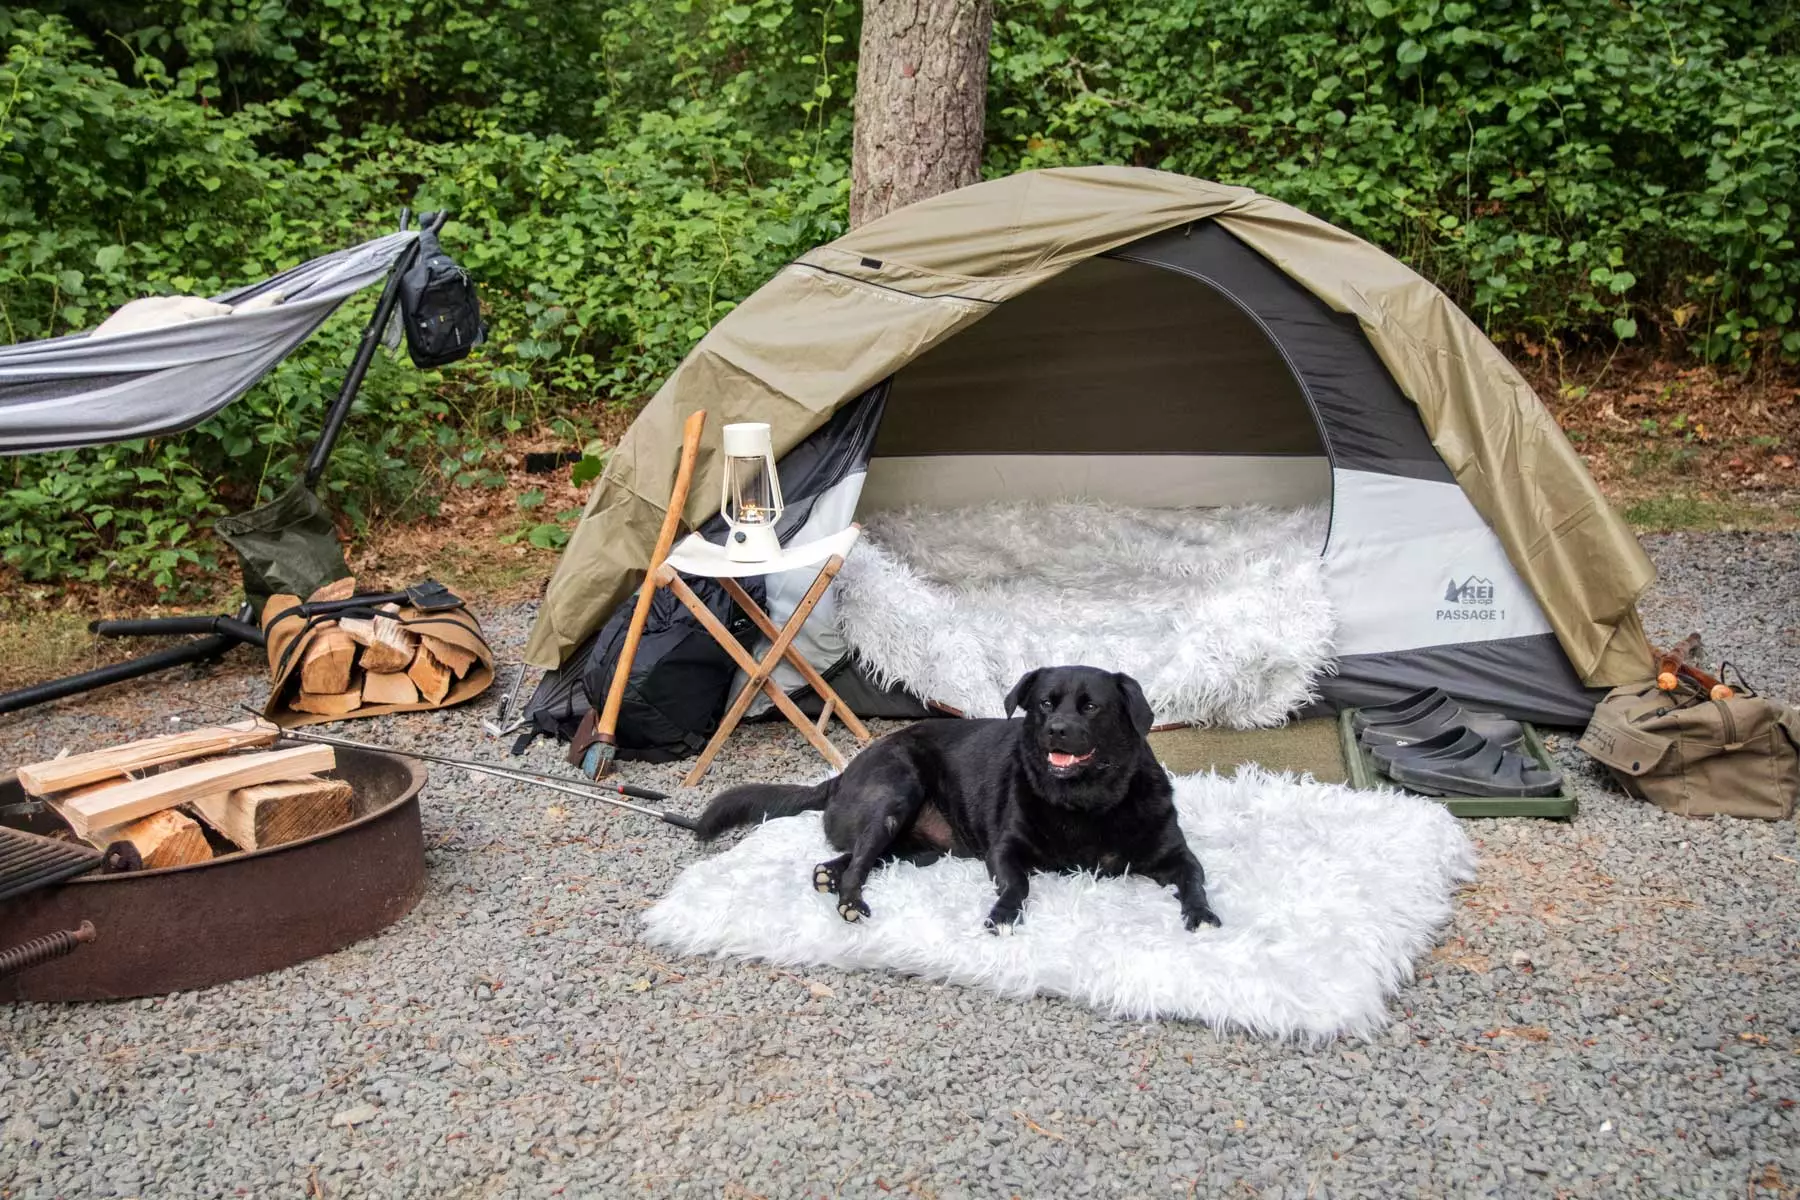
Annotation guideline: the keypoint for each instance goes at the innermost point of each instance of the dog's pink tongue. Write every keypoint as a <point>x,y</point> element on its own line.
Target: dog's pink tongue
<point>1058,759</point>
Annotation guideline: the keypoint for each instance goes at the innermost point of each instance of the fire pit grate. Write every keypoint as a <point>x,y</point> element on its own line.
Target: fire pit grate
<point>28,861</point>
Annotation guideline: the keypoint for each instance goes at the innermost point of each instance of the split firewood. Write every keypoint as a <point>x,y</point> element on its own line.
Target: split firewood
<point>431,675</point>
<point>393,647</point>
<point>451,655</point>
<point>384,688</point>
<point>388,646</point>
<point>269,814</point>
<point>62,774</point>
<point>325,665</point>
<point>337,589</point>
<point>164,839</point>
<point>328,704</point>
<point>119,803</point>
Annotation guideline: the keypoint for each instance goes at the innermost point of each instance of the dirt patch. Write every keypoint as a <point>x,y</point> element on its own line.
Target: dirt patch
<point>1677,445</point>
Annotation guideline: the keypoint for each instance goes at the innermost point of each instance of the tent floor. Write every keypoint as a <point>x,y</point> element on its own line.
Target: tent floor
<point>1309,746</point>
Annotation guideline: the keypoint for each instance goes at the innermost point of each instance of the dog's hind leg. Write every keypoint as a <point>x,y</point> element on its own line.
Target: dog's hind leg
<point>826,874</point>
<point>883,817</point>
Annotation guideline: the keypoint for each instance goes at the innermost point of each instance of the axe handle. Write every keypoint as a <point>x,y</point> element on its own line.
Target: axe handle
<point>1712,687</point>
<point>1671,661</point>
<point>684,474</point>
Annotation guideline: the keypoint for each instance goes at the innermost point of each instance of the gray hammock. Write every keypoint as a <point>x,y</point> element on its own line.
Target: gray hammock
<point>88,390</point>
<point>92,388</point>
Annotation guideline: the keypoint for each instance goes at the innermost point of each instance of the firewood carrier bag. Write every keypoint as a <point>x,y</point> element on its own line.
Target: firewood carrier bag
<point>1697,756</point>
<point>289,638</point>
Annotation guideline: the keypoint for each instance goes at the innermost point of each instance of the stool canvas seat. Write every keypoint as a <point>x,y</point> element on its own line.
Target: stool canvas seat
<point>694,555</point>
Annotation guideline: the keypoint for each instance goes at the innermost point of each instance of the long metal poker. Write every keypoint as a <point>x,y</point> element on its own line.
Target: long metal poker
<point>518,775</point>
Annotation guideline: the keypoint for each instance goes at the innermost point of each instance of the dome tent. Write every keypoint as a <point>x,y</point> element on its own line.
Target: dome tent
<point>1138,336</point>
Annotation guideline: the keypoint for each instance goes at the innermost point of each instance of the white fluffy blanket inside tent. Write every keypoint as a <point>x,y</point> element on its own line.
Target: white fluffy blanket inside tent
<point>1327,896</point>
<point>1220,614</point>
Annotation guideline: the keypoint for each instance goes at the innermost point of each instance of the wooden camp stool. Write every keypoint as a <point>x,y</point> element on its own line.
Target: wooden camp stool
<point>697,556</point>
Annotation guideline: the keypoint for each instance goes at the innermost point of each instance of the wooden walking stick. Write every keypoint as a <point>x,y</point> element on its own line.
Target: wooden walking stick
<point>1673,669</point>
<point>597,757</point>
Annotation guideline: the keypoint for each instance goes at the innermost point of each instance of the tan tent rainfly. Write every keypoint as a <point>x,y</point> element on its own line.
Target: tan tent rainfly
<point>1138,335</point>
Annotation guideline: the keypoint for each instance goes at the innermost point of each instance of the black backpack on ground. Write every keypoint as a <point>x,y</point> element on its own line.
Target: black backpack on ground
<point>439,308</point>
<point>680,678</point>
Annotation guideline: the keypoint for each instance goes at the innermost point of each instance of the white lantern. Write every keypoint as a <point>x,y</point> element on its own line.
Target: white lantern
<point>752,493</point>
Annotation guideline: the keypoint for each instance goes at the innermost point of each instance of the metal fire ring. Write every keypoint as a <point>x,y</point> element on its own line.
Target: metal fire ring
<point>237,915</point>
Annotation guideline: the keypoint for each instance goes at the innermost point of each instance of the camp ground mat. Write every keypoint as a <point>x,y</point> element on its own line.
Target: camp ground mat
<point>1364,773</point>
<point>1308,747</point>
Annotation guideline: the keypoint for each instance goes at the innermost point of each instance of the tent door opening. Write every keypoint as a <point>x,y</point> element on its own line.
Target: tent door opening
<point>1117,381</point>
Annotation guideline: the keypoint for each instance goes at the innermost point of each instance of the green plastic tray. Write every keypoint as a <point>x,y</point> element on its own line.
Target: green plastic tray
<point>1365,774</point>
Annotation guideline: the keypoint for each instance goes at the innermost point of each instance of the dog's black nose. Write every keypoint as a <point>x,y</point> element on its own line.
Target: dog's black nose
<point>1056,727</point>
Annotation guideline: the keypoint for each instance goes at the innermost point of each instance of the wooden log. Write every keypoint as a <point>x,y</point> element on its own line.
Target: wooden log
<point>268,814</point>
<point>164,839</point>
<point>325,665</point>
<point>118,803</point>
<point>337,589</point>
<point>392,646</point>
<point>383,688</point>
<point>431,676</point>
<point>328,704</point>
<point>451,655</point>
<point>388,646</point>
<point>77,770</point>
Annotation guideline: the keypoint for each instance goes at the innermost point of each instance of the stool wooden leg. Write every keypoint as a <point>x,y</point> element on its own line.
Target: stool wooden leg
<point>758,672</point>
<point>808,672</point>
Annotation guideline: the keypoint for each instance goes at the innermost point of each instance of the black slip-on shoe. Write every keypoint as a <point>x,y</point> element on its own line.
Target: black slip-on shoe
<point>1440,717</point>
<point>1406,708</point>
<point>1490,771</point>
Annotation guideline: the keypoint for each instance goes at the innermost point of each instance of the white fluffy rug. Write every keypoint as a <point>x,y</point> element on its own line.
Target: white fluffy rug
<point>1327,895</point>
<point>1219,613</point>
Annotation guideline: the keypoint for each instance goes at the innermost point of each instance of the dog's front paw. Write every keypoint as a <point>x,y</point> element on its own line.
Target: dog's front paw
<point>1196,915</point>
<point>1003,921</point>
<point>853,910</point>
<point>825,878</point>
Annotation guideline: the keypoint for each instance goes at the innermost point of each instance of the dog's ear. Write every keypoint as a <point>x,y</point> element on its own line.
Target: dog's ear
<point>1021,691</point>
<point>1135,704</point>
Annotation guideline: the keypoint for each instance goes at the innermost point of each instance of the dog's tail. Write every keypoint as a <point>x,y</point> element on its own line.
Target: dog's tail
<point>756,801</point>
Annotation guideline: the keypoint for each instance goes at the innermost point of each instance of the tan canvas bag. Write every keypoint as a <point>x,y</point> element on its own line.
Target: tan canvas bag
<point>1699,757</point>
<point>457,627</point>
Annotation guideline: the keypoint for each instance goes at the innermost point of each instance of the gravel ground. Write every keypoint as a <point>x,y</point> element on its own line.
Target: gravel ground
<point>1616,1011</point>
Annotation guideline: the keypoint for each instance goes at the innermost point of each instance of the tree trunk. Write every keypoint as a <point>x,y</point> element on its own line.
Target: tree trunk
<point>921,101</point>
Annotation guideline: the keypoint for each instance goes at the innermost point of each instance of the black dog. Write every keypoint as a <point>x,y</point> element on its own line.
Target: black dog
<point>1073,786</point>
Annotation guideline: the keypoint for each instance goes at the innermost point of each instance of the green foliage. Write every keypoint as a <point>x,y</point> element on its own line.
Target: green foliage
<point>613,200</point>
<point>1563,168</point>
<point>624,171</point>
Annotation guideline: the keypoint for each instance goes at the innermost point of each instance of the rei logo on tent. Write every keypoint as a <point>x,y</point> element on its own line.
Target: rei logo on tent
<point>1474,600</point>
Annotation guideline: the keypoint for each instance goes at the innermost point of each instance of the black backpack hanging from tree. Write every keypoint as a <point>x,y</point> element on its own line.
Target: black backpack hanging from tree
<point>440,310</point>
